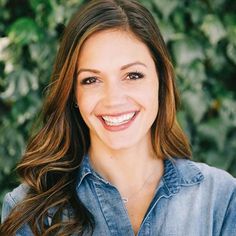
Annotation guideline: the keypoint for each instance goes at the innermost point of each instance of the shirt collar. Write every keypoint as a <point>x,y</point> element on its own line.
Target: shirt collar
<point>177,172</point>
<point>180,172</point>
<point>84,170</point>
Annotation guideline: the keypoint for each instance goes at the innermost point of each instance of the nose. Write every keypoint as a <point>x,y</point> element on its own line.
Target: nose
<point>114,94</point>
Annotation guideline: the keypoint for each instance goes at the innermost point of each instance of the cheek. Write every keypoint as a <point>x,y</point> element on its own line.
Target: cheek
<point>154,95</point>
<point>149,95</point>
<point>86,102</point>
<point>152,100</point>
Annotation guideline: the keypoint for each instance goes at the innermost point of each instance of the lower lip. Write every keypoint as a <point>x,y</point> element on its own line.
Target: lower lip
<point>120,127</point>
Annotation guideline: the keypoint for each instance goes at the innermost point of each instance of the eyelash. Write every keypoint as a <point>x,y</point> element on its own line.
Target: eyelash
<point>137,75</point>
<point>91,80</point>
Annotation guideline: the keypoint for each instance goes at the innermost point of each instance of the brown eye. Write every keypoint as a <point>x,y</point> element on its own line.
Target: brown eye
<point>135,75</point>
<point>89,80</point>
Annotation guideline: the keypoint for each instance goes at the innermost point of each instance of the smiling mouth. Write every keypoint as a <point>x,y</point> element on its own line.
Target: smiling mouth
<point>118,120</point>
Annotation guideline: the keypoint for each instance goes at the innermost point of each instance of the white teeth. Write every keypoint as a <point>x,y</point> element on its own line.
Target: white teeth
<point>118,120</point>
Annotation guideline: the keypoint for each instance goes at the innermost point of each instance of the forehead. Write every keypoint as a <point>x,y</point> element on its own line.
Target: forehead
<point>113,46</point>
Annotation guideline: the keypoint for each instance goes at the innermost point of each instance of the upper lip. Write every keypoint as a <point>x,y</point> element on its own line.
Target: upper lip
<point>117,114</point>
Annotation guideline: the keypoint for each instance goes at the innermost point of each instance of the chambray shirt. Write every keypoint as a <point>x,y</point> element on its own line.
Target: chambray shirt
<point>192,199</point>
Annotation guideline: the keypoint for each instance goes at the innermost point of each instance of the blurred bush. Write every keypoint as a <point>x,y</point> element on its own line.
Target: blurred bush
<point>199,34</point>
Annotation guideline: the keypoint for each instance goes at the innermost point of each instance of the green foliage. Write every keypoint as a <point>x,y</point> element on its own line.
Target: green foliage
<point>202,42</point>
<point>200,36</point>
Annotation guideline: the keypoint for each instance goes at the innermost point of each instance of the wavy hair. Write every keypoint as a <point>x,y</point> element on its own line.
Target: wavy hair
<point>53,156</point>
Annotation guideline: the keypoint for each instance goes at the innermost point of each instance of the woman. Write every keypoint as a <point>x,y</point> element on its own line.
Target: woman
<point>110,158</point>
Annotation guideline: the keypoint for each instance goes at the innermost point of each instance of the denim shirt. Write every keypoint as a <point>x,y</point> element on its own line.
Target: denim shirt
<point>192,199</point>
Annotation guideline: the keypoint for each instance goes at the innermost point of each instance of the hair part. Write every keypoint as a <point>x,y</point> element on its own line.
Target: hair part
<point>53,156</point>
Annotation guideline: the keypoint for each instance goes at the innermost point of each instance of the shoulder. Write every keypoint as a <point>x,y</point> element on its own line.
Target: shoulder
<point>214,192</point>
<point>17,194</point>
<point>188,169</point>
<point>214,184</point>
<point>217,177</point>
<point>12,198</point>
<point>220,186</point>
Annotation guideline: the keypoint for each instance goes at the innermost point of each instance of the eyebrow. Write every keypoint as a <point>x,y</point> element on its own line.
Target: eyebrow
<point>122,68</point>
<point>133,64</point>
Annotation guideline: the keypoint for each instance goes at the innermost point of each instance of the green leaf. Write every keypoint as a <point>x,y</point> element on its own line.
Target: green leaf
<point>231,52</point>
<point>216,4</point>
<point>196,11</point>
<point>39,5</point>
<point>3,2</point>
<point>230,25</point>
<point>20,82</point>
<point>213,28</point>
<point>196,104</point>
<point>179,20</point>
<point>214,130</point>
<point>216,59</point>
<point>166,7</point>
<point>24,31</point>
<point>192,76</point>
<point>183,121</point>
<point>186,50</point>
<point>167,30</point>
<point>41,53</point>
<point>4,43</point>
<point>217,159</point>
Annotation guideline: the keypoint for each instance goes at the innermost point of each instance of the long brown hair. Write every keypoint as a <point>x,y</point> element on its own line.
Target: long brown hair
<point>53,156</point>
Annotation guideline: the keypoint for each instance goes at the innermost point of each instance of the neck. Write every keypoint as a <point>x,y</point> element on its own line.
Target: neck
<point>130,166</point>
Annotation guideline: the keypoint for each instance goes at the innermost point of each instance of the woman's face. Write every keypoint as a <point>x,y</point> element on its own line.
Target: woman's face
<point>117,89</point>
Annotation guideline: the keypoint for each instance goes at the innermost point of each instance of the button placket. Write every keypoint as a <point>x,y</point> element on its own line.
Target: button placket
<point>113,210</point>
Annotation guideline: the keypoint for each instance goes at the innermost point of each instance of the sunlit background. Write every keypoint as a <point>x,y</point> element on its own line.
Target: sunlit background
<point>200,35</point>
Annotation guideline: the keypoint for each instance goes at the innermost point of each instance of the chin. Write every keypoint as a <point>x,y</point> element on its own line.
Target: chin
<point>119,145</point>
